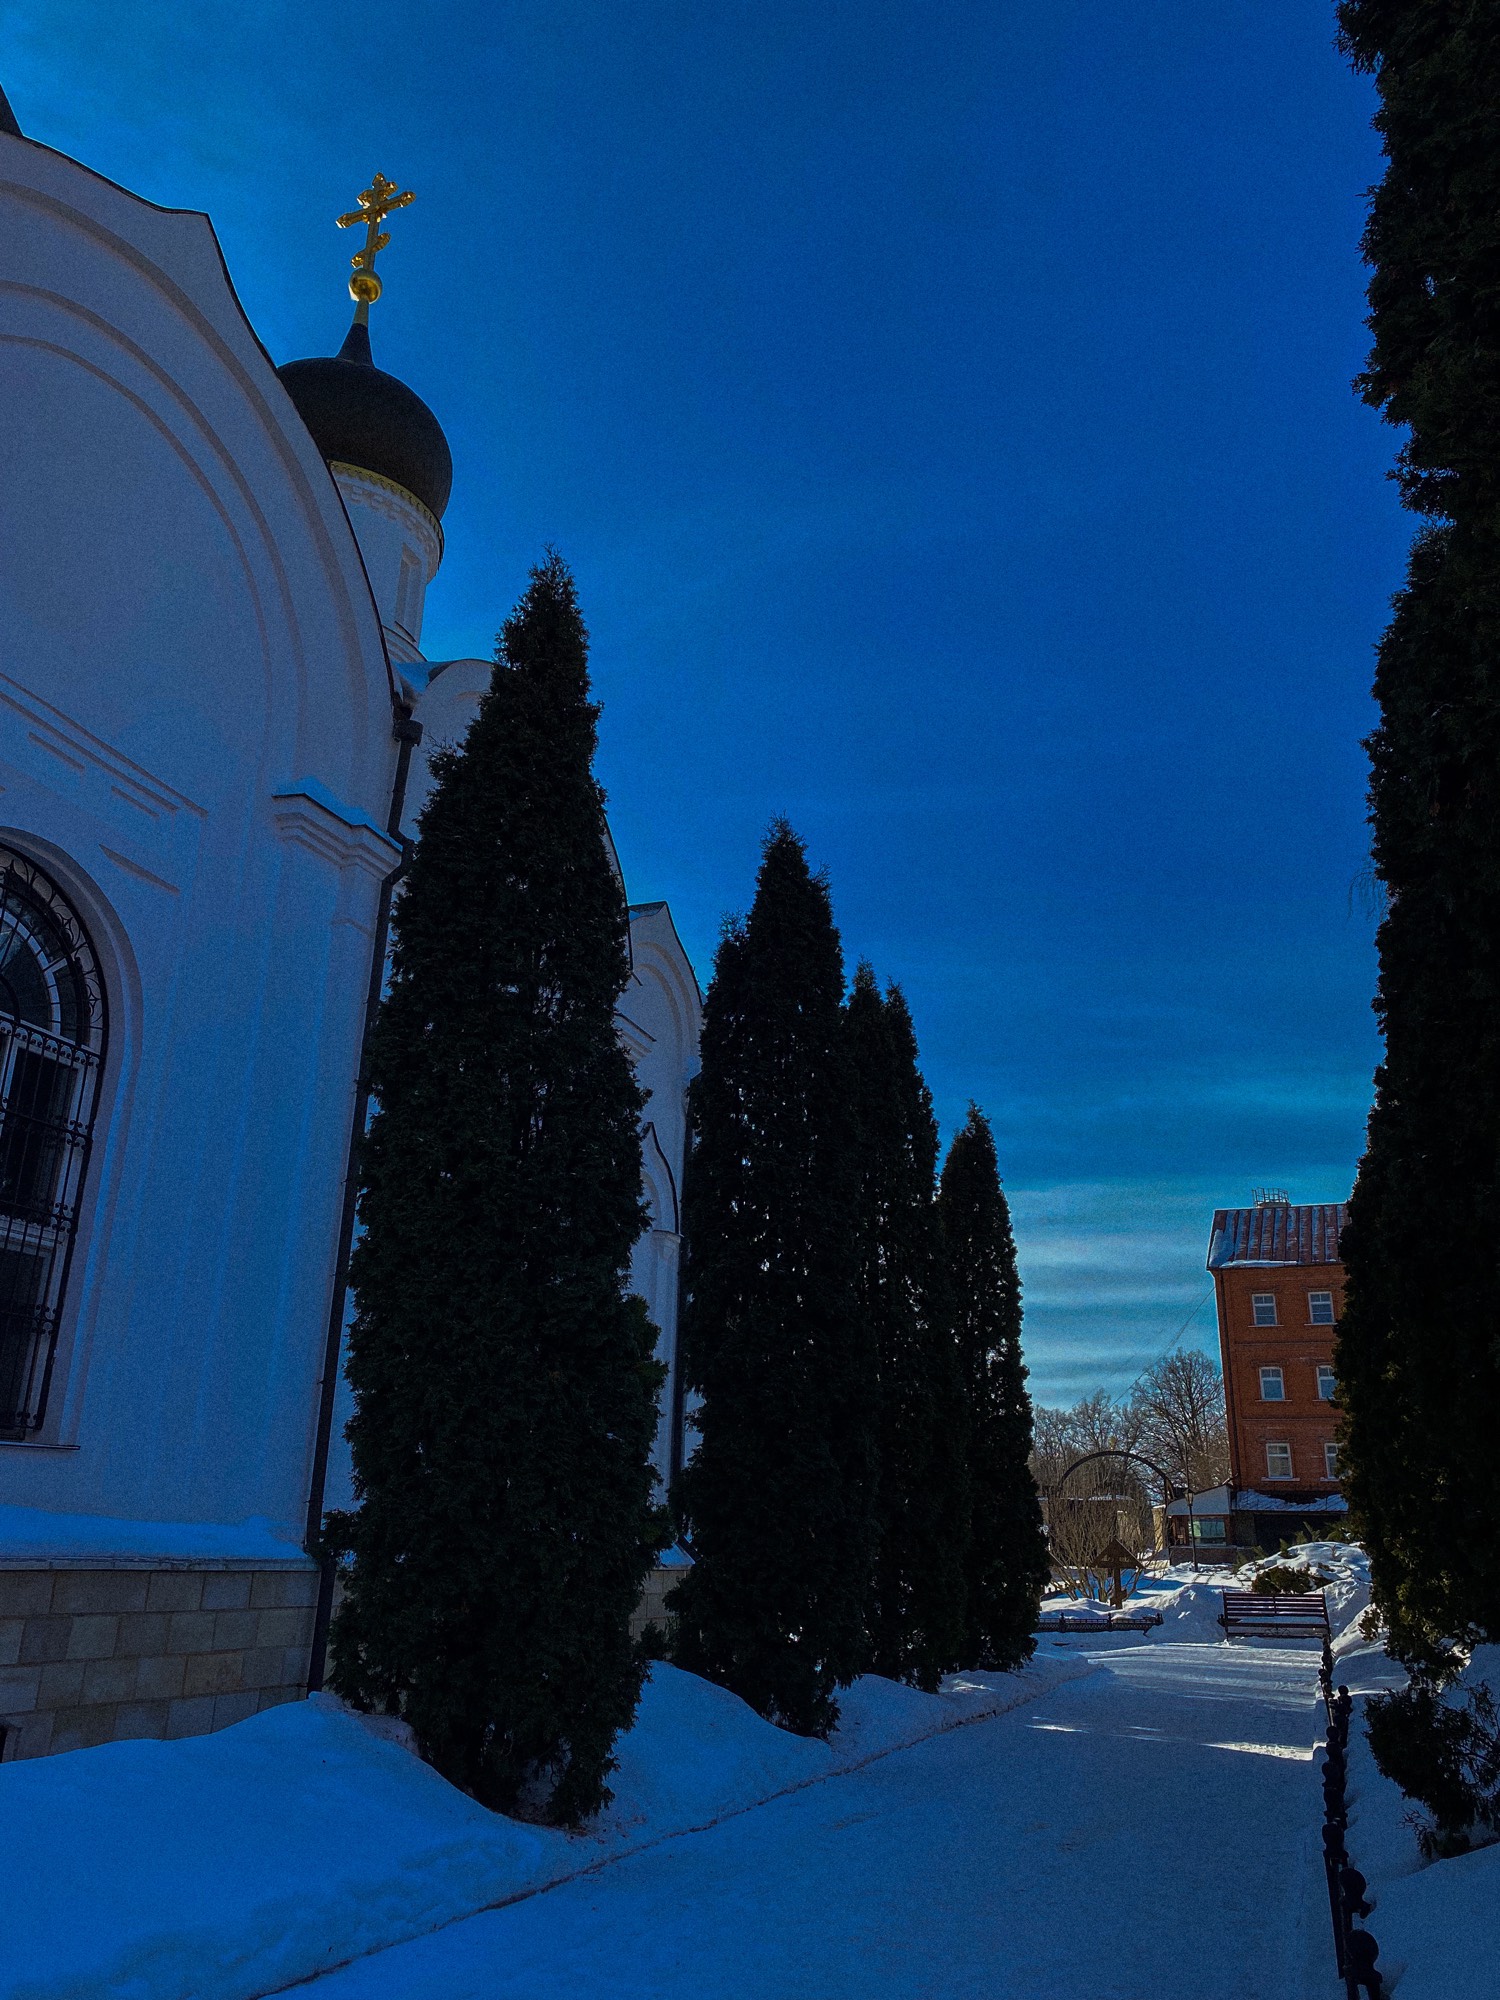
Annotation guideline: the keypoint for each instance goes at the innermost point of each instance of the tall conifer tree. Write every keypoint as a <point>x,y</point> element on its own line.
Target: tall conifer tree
<point>777,1500</point>
<point>1007,1560</point>
<point>504,1378</point>
<point>1418,1360</point>
<point>922,1514</point>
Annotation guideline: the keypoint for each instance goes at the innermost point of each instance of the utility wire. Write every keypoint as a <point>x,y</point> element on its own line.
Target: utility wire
<point>1192,1315</point>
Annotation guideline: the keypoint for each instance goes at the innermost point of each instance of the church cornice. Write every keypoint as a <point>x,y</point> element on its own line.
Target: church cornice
<point>386,497</point>
<point>308,815</point>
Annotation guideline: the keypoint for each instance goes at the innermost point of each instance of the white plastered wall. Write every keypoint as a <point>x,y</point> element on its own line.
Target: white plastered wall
<point>660,1015</point>
<point>195,737</point>
<point>402,546</point>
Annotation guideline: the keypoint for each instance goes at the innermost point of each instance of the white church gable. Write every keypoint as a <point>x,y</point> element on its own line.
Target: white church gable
<point>195,743</point>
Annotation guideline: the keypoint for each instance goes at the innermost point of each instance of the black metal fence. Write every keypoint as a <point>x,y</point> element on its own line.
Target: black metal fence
<point>1354,1947</point>
<point>1111,1621</point>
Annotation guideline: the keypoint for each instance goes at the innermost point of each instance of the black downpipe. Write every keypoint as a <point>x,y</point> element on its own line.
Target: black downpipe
<point>407,734</point>
<point>677,1442</point>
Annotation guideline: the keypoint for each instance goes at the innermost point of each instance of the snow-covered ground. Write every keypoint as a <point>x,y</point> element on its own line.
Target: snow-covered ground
<point>1434,1922</point>
<point>1146,1832</point>
<point>1190,1600</point>
<point>1132,1816</point>
<point>222,1867</point>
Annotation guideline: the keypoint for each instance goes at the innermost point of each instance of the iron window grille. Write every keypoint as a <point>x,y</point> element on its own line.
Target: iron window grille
<point>52,1043</point>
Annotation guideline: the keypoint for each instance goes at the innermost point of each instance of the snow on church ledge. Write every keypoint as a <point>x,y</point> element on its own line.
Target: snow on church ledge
<point>308,813</point>
<point>32,1538</point>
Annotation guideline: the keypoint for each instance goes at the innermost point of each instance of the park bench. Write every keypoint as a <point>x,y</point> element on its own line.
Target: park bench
<point>1114,1621</point>
<point>1247,1615</point>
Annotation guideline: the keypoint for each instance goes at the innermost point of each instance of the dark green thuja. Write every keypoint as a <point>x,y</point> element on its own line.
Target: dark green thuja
<point>1443,1749</point>
<point>504,1378</point>
<point>777,1499</point>
<point>1418,1361</point>
<point>916,1616</point>
<point>1007,1567</point>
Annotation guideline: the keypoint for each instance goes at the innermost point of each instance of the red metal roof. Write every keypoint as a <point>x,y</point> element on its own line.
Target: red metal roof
<point>1277,1232</point>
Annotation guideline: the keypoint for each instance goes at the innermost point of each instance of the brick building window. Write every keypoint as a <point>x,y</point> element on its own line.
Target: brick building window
<point>1278,1461</point>
<point>1263,1307</point>
<point>1331,1460</point>
<point>1326,1382</point>
<point>1320,1308</point>
<point>1272,1386</point>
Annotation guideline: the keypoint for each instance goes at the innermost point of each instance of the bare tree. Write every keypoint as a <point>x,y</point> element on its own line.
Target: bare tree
<point>1098,1423</point>
<point>1178,1411</point>
<point>1173,1415</point>
<point>1101,1502</point>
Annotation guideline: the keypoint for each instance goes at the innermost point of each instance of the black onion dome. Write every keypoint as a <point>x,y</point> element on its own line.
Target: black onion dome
<point>359,415</point>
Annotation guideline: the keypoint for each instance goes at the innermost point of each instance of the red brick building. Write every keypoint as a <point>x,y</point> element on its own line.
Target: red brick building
<point>1279,1287</point>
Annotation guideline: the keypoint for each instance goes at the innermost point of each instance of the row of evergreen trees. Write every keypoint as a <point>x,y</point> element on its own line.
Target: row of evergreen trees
<point>860,1496</point>
<point>1418,1354</point>
<point>1418,1357</point>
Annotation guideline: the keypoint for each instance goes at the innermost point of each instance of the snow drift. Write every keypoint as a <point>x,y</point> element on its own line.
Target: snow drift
<point>228,1866</point>
<point>1190,1601</point>
<point>1432,1920</point>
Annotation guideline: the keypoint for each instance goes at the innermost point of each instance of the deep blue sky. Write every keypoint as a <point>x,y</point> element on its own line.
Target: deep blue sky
<point>945,409</point>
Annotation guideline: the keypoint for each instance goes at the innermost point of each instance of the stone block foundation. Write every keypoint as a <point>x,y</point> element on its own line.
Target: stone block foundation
<point>652,1609</point>
<point>91,1656</point>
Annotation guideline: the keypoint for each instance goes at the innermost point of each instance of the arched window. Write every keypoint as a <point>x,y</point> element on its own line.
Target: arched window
<point>52,1023</point>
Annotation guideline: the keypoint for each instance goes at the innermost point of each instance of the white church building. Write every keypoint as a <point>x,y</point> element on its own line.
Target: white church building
<point>212,582</point>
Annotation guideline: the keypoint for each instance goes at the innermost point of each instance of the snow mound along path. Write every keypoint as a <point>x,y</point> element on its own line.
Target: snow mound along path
<point>698,1753</point>
<point>1193,1608</point>
<point>877,1716</point>
<point>1191,1601</point>
<point>1433,1920</point>
<point>224,1866</point>
<point>1193,1613</point>
<point>1346,1567</point>
<point>229,1866</point>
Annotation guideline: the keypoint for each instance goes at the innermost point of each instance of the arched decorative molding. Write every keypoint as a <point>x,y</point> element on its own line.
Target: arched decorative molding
<point>196,743</point>
<point>139,299</point>
<point>661,966</point>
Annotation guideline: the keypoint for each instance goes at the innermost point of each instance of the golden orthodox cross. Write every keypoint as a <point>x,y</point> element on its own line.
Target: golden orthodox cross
<point>375,204</point>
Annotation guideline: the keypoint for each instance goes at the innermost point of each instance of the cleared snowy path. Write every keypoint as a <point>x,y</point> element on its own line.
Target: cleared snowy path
<point>1143,1834</point>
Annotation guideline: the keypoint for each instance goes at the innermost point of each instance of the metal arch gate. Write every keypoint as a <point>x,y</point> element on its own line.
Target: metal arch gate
<point>1082,1560</point>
